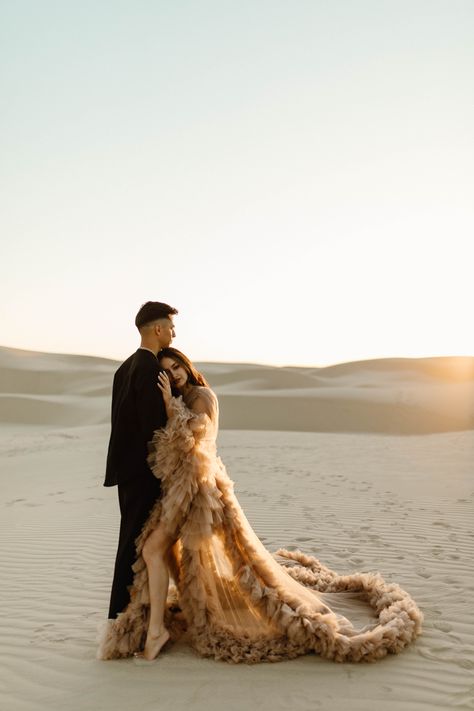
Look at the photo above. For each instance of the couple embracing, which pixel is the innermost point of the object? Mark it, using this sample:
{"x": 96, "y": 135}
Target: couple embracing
{"x": 188, "y": 563}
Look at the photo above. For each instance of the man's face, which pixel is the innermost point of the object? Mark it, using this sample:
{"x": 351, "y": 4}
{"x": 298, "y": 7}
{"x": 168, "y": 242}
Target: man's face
{"x": 166, "y": 331}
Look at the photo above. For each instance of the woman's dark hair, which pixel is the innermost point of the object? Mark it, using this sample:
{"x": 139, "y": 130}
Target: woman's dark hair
{"x": 194, "y": 376}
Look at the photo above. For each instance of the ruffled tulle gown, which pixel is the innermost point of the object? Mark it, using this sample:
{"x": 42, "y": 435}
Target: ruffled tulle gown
{"x": 232, "y": 599}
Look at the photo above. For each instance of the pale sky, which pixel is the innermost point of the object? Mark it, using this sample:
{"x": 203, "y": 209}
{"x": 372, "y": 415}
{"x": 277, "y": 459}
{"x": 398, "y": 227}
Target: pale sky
{"x": 295, "y": 177}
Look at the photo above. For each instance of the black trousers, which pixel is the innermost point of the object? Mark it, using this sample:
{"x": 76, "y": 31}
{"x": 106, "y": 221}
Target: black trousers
{"x": 136, "y": 499}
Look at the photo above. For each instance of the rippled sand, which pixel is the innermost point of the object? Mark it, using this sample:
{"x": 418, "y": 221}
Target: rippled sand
{"x": 358, "y": 500}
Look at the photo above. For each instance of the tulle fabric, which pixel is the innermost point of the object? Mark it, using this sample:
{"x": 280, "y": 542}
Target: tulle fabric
{"x": 231, "y": 598}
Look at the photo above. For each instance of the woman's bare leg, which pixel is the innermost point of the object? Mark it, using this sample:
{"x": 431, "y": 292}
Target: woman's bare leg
{"x": 154, "y": 554}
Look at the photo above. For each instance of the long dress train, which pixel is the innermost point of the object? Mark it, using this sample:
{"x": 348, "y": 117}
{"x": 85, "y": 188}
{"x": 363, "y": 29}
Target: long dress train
{"x": 240, "y": 603}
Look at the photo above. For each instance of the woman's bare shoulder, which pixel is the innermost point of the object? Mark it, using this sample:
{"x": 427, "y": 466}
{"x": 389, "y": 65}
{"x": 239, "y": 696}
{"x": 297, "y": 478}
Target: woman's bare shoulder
{"x": 203, "y": 399}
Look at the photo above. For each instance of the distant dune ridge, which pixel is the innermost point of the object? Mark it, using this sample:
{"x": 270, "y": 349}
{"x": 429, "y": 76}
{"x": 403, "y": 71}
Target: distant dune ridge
{"x": 391, "y": 395}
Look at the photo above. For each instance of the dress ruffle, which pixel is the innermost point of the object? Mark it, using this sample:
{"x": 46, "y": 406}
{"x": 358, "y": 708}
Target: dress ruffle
{"x": 237, "y": 602}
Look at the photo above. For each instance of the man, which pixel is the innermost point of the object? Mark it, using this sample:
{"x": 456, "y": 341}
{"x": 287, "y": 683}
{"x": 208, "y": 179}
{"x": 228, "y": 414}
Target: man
{"x": 137, "y": 410}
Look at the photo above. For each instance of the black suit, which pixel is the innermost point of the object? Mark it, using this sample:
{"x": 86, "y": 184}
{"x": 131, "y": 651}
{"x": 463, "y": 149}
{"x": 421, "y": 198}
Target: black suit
{"x": 137, "y": 410}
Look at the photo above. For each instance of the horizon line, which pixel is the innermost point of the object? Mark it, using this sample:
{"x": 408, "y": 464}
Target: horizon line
{"x": 249, "y": 362}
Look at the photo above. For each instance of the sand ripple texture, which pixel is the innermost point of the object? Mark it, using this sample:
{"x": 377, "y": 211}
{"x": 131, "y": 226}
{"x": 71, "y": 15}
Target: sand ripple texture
{"x": 402, "y": 505}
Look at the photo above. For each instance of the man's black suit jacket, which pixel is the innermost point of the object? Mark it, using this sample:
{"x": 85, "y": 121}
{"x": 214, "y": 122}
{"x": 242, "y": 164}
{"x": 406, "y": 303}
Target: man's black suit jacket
{"x": 137, "y": 410}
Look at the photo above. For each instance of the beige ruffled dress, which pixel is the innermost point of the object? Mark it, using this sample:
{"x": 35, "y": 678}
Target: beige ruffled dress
{"x": 231, "y": 598}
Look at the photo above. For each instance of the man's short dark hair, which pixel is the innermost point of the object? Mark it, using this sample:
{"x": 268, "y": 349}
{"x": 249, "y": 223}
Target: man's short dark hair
{"x": 151, "y": 311}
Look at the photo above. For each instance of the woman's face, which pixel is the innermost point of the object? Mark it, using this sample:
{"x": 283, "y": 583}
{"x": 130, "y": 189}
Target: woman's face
{"x": 175, "y": 372}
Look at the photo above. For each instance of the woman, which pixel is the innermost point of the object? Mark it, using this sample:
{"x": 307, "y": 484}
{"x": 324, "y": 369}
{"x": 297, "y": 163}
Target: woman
{"x": 231, "y": 597}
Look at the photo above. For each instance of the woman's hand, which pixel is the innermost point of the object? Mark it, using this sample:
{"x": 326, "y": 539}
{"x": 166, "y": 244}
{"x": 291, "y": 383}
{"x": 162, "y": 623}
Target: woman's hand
{"x": 165, "y": 387}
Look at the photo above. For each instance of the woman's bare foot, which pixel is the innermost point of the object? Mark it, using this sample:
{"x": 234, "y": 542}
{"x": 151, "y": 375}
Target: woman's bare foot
{"x": 154, "y": 643}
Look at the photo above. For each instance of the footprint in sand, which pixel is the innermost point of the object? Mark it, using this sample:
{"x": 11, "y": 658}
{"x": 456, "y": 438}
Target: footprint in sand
{"x": 443, "y": 626}
{"x": 423, "y": 573}
{"x": 448, "y": 654}
{"x": 442, "y": 654}
{"x": 451, "y": 581}
{"x": 466, "y": 663}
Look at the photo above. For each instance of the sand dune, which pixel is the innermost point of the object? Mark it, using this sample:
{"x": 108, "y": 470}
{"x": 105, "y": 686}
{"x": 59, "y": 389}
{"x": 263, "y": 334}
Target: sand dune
{"x": 354, "y": 492}
{"x": 396, "y": 396}
{"x": 48, "y": 388}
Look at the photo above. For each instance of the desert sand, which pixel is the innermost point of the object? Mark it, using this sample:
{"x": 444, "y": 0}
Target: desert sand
{"x": 368, "y": 466}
